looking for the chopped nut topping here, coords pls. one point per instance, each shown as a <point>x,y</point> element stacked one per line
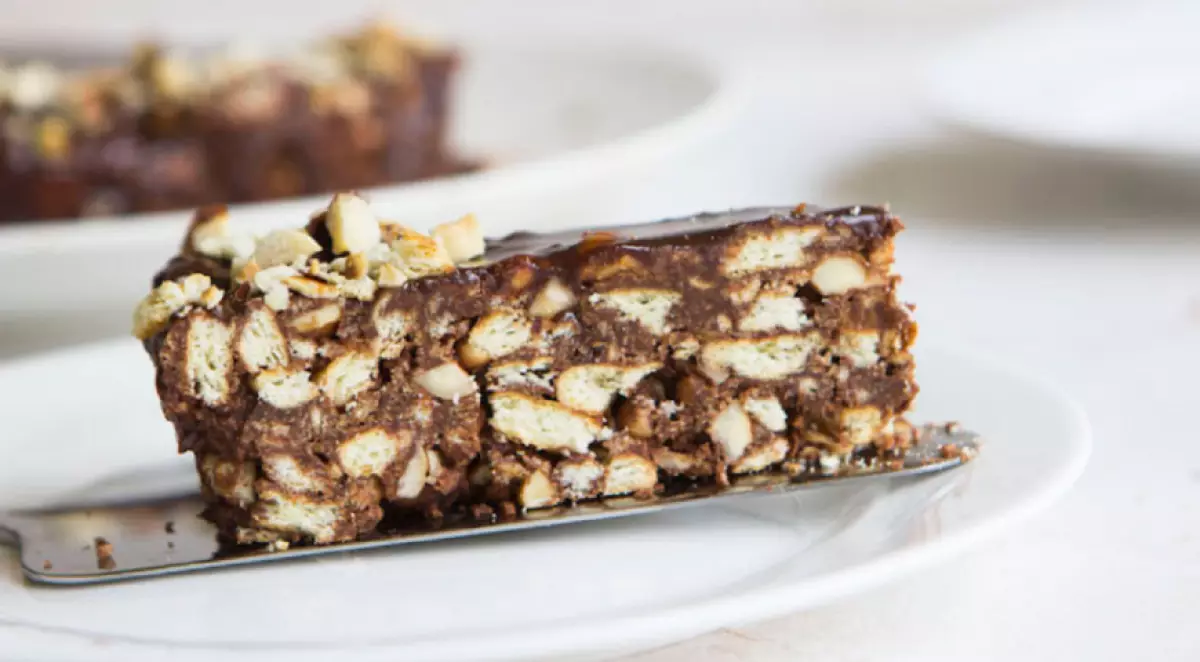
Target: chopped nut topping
<point>271,282</point>
<point>277,298</point>
<point>447,381</point>
<point>311,287</point>
<point>319,320</point>
<point>417,255</point>
<point>552,300</point>
<point>362,289</point>
<point>731,428</point>
<point>212,297</point>
<point>54,138</point>
<point>244,270</point>
<point>391,276</point>
<point>462,239</point>
<point>213,238</point>
<point>839,274</point>
<point>357,266</point>
<point>352,225</point>
<point>286,261</point>
<point>33,85</point>
<point>538,491</point>
<point>284,247</point>
<point>168,299</point>
<point>761,458</point>
<point>171,78</point>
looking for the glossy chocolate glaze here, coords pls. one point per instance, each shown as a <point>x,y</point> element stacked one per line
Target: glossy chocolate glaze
<point>705,227</point>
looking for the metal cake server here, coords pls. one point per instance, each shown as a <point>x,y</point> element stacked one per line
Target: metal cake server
<point>147,528</point>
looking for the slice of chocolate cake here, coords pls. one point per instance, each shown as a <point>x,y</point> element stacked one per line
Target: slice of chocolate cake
<point>328,376</point>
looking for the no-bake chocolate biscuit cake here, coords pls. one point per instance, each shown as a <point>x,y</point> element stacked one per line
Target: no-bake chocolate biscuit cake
<point>328,377</point>
<point>168,131</point>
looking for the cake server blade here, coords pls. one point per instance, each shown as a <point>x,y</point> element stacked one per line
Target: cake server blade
<point>142,537</point>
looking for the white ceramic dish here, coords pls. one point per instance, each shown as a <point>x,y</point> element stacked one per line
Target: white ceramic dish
<point>1117,78</point>
<point>73,417</point>
<point>577,133</point>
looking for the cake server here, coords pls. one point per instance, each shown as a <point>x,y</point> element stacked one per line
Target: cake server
<point>148,528</point>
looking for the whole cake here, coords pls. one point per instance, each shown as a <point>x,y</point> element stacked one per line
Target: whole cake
<point>354,371</point>
<point>166,131</point>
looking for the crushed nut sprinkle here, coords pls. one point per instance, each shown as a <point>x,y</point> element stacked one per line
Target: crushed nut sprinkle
<point>288,265</point>
<point>157,78</point>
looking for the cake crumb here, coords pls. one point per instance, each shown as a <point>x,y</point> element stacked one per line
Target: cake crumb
<point>104,554</point>
<point>508,511</point>
<point>952,452</point>
<point>482,512</point>
<point>47,565</point>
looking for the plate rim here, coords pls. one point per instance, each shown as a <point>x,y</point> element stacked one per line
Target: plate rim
<point>673,622</point>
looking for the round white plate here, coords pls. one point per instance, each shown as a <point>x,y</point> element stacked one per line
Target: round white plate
<point>578,134</point>
<point>75,416</point>
<point>1122,78</point>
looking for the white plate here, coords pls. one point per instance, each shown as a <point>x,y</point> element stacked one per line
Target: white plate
<point>579,133</point>
<point>73,417</point>
<point>1122,78</point>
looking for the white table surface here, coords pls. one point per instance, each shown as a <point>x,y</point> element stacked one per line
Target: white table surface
<point>1089,270</point>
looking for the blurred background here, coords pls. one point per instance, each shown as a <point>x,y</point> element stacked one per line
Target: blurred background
<point>961,114</point>
<point>1043,155</point>
<point>920,104</point>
